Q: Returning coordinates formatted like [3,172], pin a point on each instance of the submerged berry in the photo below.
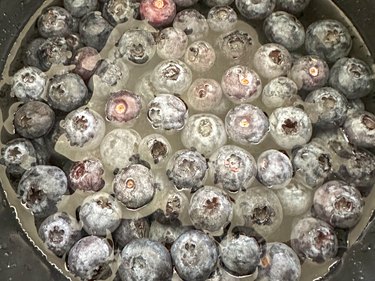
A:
[119,11]
[193,23]
[166,234]
[87,175]
[130,230]
[110,73]
[221,18]
[360,129]
[280,91]
[123,107]
[171,43]
[200,56]
[235,45]
[158,13]
[204,94]
[246,124]
[155,149]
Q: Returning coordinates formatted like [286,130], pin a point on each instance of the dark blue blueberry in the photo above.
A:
[274,169]
[194,255]
[86,175]
[279,263]
[329,106]
[94,30]
[18,155]
[158,13]
[41,187]
[34,119]
[54,50]
[352,77]
[28,84]
[192,22]
[138,46]
[66,92]
[86,60]
[328,39]
[30,56]
[314,239]
[279,92]
[284,29]
[232,168]
[312,163]
[55,21]
[246,124]
[119,11]
[338,204]
[240,254]
[293,6]
[134,186]
[255,10]
[59,232]
[187,169]
[100,213]
[210,209]
[90,258]
[81,7]
[131,229]
[145,260]
[309,73]
[360,129]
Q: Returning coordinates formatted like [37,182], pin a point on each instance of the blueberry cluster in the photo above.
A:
[183,144]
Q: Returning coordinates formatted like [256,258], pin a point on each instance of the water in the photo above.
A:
[320,9]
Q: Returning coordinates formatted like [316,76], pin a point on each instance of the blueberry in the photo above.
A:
[131,229]
[279,92]
[123,107]
[255,10]
[187,169]
[329,105]
[118,146]
[86,60]
[87,175]
[279,263]
[74,41]
[210,209]
[295,198]
[158,13]
[54,50]
[204,132]
[34,119]
[200,56]
[193,23]
[167,112]
[272,60]
[284,29]
[66,92]
[290,126]
[84,128]
[145,89]
[352,77]
[100,213]
[144,259]
[204,94]
[293,6]
[339,204]
[354,106]
[309,73]
[216,3]
[221,18]
[155,148]
[41,187]
[246,124]
[315,240]
[235,45]
[171,76]
[328,39]
[312,163]
[174,206]
[90,258]
[30,56]
[137,46]
[80,8]
[55,21]
[94,30]
[274,169]
[360,129]
[119,11]
[166,234]
[28,84]
[134,186]
[171,43]
[59,232]
[241,84]
[260,209]
[18,155]
[232,168]
[185,3]
[110,73]
[194,255]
